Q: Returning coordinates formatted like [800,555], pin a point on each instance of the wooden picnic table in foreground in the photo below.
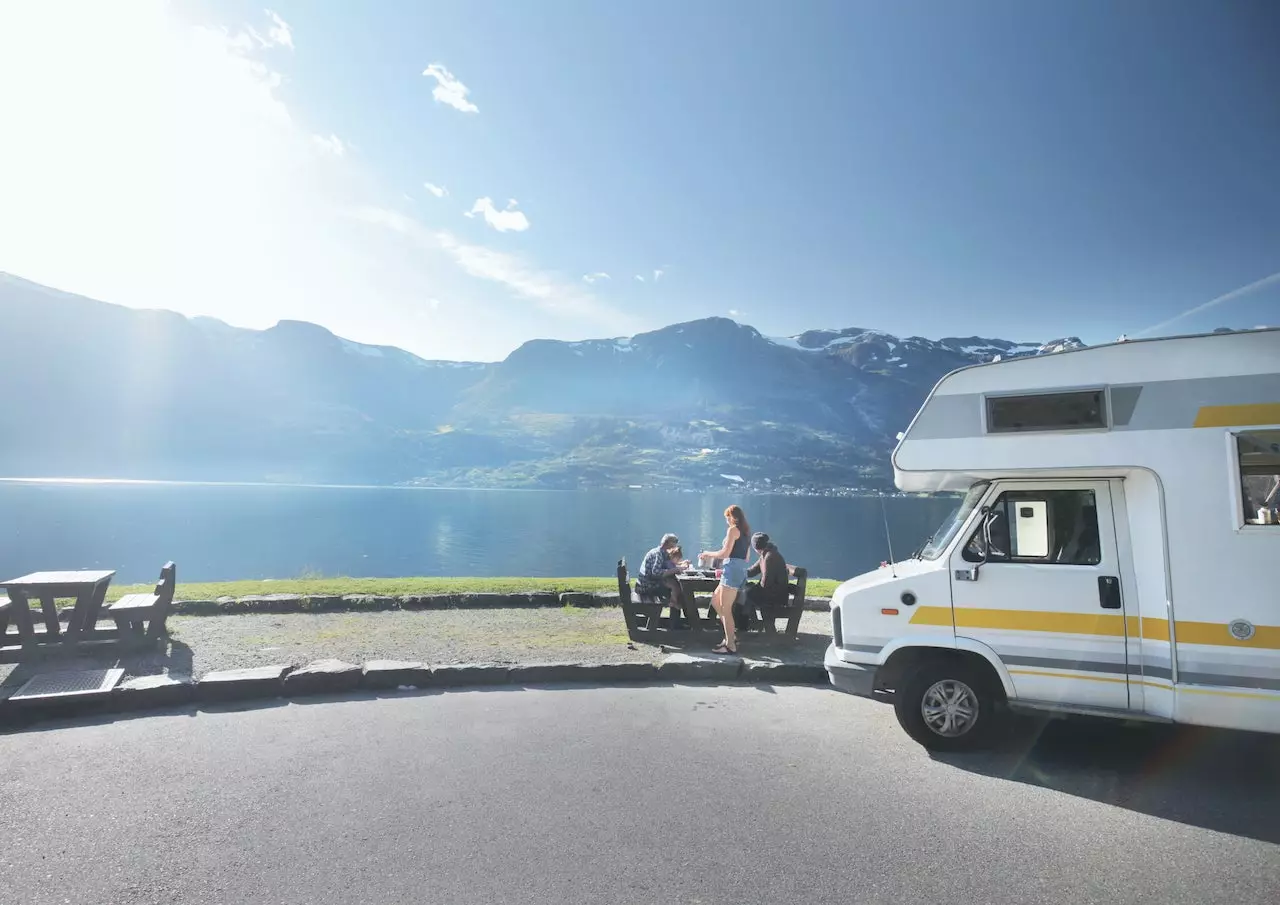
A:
[89,588]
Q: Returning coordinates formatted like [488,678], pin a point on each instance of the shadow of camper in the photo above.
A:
[1215,779]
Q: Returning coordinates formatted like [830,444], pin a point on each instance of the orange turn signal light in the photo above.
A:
[887,611]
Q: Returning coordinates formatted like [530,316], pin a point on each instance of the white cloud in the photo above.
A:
[595,277]
[1215,302]
[331,143]
[438,190]
[279,32]
[734,312]
[504,220]
[657,275]
[639,278]
[551,293]
[448,89]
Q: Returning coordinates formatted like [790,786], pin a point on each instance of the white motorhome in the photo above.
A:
[1116,552]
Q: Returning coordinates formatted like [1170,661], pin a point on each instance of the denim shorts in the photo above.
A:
[734,574]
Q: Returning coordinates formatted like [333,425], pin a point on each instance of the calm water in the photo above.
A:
[248,531]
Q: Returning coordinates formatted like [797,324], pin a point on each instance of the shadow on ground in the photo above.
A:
[1215,779]
[163,655]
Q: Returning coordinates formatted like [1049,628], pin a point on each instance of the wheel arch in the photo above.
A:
[910,654]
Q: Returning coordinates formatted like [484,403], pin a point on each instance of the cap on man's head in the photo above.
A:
[669,540]
[759,540]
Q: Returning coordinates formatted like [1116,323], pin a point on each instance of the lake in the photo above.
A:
[217,532]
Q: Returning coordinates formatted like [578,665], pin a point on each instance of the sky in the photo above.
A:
[456,178]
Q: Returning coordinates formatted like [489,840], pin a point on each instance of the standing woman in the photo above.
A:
[737,542]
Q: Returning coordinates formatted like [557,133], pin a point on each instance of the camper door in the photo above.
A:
[1047,594]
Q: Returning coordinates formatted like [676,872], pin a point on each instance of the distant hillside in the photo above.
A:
[118,392]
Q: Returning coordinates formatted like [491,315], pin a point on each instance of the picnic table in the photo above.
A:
[694,582]
[89,588]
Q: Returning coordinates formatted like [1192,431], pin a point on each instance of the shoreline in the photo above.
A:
[829,492]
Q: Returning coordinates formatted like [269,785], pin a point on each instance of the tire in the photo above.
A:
[961,699]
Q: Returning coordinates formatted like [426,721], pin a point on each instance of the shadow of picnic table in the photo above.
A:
[165,655]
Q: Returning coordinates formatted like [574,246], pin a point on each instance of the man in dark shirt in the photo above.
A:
[774,579]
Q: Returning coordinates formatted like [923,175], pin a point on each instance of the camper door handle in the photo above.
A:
[1109,592]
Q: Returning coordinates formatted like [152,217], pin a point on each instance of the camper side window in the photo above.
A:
[1045,526]
[1259,453]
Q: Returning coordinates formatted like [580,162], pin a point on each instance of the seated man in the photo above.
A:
[657,578]
[774,576]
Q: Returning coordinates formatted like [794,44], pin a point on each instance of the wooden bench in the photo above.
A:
[791,611]
[643,615]
[142,616]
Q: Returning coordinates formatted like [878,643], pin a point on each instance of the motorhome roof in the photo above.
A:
[1108,408]
[1118,342]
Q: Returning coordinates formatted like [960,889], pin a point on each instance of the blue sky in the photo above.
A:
[1007,169]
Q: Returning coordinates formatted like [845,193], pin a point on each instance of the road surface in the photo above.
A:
[680,794]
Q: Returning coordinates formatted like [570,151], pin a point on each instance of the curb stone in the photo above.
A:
[772,673]
[459,675]
[322,677]
[242,684]
[537,673]
[578,599]
[270,603]
[709,668]
[385,674]
[369,602]
[145,692]
[427,602]
[482,601]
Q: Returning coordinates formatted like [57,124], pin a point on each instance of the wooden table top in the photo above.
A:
[38,579]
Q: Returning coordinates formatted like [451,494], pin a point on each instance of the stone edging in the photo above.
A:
[335,677]
[296,603]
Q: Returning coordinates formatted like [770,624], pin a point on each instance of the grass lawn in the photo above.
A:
[399,587]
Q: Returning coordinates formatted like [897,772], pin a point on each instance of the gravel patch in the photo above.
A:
[202,644]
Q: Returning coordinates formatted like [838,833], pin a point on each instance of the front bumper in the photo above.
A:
[853,678]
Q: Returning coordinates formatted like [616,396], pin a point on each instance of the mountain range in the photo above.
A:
[100,390]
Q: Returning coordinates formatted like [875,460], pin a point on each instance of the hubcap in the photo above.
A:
[950,708]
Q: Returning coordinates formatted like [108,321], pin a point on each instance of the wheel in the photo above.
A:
[947,705]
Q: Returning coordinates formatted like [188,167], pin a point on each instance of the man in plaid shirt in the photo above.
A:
[657,578]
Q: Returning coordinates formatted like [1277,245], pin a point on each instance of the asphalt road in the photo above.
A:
[626,795]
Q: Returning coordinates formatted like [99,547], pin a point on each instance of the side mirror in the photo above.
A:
[971,573]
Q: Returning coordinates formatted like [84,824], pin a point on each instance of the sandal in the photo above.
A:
[723,649]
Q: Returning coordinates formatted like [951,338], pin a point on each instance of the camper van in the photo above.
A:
[1115,551]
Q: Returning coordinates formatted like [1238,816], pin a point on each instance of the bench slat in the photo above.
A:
[131,602]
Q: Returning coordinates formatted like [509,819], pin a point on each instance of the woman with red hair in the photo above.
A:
[734,551]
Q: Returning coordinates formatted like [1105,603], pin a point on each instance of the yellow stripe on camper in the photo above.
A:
[1022,620]
[1265,637]
[1238,415]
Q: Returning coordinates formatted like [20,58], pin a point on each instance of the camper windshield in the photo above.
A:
[941,538]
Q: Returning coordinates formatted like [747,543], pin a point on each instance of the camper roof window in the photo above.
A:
[1047,412]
